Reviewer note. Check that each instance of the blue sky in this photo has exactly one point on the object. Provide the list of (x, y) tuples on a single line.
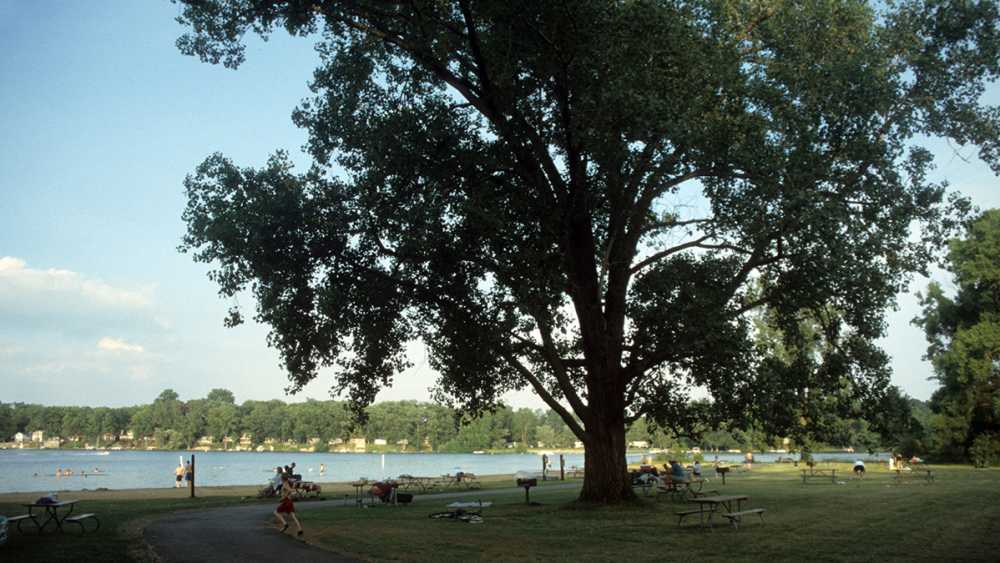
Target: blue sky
[(100, 119)]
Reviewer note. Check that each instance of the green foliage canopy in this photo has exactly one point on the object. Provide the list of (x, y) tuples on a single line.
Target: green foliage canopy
[(964, 342), (515, 180)]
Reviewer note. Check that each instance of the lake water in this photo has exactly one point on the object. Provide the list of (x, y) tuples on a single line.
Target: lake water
[(34, 470)]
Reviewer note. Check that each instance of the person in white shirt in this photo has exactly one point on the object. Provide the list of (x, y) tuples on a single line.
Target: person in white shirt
[(859, 469)]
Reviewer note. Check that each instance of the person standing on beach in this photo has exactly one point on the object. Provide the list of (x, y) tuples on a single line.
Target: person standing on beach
[(188, 472), (179, 472), (286, 506)]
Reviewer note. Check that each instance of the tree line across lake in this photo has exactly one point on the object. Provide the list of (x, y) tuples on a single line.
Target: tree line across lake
[(171, 423)]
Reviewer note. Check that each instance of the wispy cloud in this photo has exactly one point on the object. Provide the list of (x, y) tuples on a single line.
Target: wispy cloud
[(117, 345), (20, 282)]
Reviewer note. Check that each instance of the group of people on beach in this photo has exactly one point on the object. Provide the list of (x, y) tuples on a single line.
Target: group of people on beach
[(182, 473)]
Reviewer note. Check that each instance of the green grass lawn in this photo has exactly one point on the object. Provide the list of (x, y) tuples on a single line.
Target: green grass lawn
[(122, 519), (118, 539), (954, 519), (957, 518)]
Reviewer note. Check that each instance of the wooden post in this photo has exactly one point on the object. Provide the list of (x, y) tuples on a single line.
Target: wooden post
[(562, 468), (192, 475)]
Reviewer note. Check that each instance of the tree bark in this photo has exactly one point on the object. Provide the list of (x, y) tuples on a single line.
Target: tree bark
[(605, 478)]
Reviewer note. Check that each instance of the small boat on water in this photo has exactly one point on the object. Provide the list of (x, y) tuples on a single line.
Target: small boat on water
[(478, 452)]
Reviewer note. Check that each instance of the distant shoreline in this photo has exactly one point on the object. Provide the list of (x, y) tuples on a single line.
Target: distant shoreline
[(538, 451), (307, 451)]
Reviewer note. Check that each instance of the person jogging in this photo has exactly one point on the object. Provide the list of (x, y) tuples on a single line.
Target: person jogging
[(286, 506)]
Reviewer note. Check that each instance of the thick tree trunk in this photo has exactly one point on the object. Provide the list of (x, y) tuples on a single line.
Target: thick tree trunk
[(605, 478)]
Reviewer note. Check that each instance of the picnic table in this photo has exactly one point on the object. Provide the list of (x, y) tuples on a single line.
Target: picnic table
[(50, 511), (909, 474), (362, 489), (681, 489), (460, 479), (812, 473), (422, 484), (457, 511), (709, 505)]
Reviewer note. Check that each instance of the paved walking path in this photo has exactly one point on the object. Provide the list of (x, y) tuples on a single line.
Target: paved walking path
[(248, 533)]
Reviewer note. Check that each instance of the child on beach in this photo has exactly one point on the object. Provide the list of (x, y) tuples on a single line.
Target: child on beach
[(286, 506)]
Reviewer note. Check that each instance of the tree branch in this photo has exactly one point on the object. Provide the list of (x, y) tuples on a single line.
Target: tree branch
[(542, 392), (667, 252), (559, 368)]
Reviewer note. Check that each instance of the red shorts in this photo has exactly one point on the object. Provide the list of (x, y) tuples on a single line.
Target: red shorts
[(286, 506)]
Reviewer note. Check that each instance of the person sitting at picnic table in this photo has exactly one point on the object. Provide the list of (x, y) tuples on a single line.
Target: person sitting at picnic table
[(382, 490), (677, 472), (859, 469), (648, 469), (276, 480), (290, 471)]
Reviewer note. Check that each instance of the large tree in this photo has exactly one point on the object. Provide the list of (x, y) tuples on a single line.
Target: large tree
[(963, 333), (577, 196)]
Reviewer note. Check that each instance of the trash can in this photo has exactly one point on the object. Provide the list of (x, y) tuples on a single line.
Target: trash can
[(3, 530)]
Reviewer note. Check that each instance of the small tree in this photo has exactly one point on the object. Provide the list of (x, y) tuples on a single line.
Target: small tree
[(985, 450), (964, 342)]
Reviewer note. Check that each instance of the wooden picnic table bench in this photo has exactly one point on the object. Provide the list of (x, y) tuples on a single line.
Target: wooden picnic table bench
[(20, 520), (457, 511), (736, 517), (708, 506), (79, 519), (681, 489), (49, 510), (421, 484), (460, 479), (910, 474), (685, 513), (811, 473)]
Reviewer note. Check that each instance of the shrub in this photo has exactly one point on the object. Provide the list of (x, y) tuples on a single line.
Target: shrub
[(985, 450)]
